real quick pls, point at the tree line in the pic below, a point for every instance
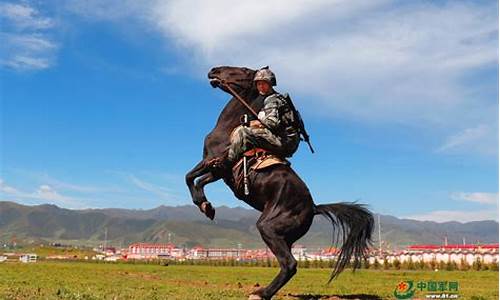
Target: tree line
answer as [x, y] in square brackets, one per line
[396, 264]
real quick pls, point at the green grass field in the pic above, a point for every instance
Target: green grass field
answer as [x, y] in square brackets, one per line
[43, 252]
[85, 280]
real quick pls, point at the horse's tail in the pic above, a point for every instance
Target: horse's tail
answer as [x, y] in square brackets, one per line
[353, 224]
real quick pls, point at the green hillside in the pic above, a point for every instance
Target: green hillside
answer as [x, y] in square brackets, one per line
[185, 226]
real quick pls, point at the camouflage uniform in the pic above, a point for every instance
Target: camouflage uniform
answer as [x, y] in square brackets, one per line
[282, 139]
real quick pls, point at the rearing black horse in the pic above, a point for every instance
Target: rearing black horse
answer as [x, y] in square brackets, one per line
[278, 192]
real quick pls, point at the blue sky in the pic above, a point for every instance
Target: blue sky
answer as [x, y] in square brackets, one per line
[106, 103]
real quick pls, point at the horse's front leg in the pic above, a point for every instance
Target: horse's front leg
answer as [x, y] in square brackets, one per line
[206, 206]
[199, 170]
[196, 189]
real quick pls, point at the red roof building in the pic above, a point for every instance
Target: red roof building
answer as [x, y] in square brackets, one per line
[153, 250]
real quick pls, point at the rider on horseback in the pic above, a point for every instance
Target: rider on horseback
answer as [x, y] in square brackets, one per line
[275, 129]
[286, 205]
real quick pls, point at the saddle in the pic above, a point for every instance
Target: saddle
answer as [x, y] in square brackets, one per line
[257, 159]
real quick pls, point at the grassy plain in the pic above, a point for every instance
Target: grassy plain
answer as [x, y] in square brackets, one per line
[43, 252]
[89, 280]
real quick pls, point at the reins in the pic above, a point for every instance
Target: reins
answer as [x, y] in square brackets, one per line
[242, 101]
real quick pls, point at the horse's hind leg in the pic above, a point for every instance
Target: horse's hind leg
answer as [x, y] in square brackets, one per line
[282, 250]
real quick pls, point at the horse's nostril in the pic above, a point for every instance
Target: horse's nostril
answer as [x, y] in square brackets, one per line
[214, 82]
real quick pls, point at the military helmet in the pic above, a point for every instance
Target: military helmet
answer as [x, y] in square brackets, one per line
[265, 74]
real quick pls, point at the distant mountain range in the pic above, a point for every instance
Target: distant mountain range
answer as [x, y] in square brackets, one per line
[186, 226]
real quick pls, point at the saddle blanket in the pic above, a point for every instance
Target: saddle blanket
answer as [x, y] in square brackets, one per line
[257, 159]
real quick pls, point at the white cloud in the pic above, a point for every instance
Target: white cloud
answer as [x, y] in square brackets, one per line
[217, 24]
[455, 215]
[58, 184]
[383, 60]
[24, 16]
[464, 216]
[483, 198]
[26, 44]
[481, 138]
[78, 188]
[4, 188]
[109, 10]
[359, 59]
[44, 192]
[369, 60]
[144, 183]
[162, 192]
[68, 194]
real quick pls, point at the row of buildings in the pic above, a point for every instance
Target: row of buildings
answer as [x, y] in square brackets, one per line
[22, 257]
[426, 253]
[446, 253]
[171, 251]
[463, 253]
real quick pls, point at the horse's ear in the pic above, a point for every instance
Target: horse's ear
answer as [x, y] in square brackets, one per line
[264, 67]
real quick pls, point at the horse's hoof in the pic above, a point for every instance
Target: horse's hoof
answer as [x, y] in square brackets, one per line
[208, 210]
[254, 297]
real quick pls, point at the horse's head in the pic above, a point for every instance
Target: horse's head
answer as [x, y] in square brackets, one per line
[240, 79]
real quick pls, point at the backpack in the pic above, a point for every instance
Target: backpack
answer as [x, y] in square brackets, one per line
[292, 119]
